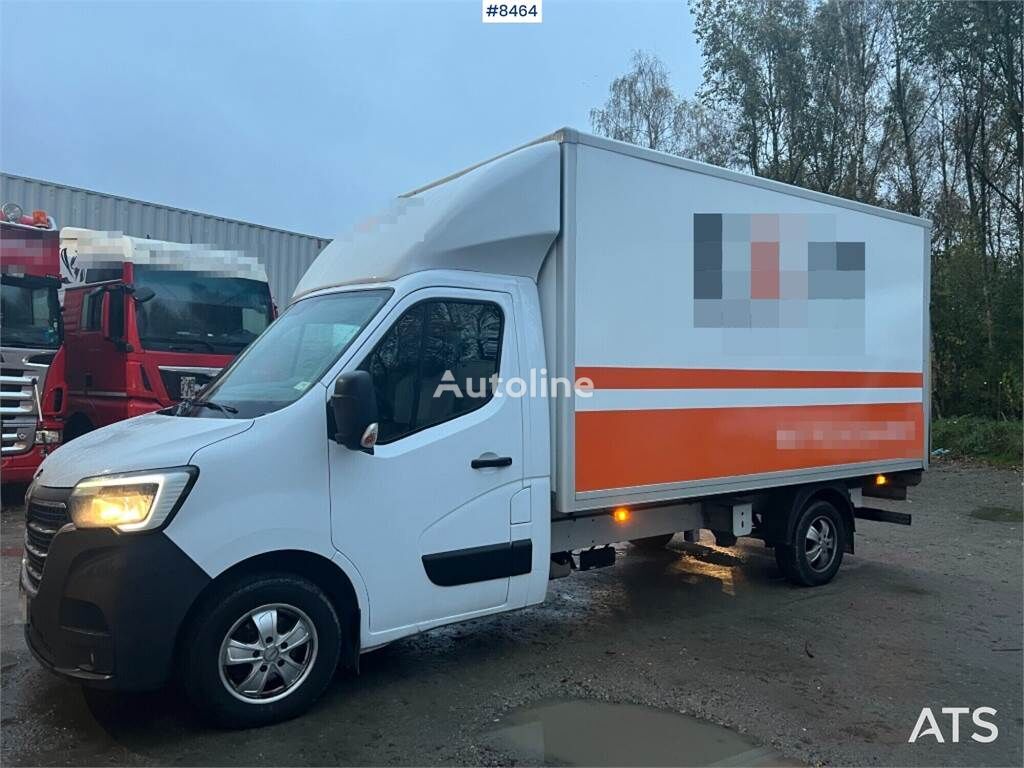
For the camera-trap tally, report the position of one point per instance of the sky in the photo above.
(306, 116)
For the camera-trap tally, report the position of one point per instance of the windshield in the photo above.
(29, 313)
(201, 312)
(294, 353)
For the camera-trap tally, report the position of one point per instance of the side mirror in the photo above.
(143, 294)
(354, 405)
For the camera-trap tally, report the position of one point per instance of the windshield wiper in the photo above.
(183, 344)
(23, 344)
(185, 404)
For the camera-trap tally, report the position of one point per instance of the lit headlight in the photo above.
(136, 501)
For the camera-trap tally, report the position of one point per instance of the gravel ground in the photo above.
(929, 615)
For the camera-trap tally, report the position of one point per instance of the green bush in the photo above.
(975, 437)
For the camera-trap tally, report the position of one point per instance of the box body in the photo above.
(739, 333)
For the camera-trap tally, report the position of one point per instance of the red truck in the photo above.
(31, 332)
(149, 323)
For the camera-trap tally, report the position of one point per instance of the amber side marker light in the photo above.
(881, 480)
(621, 515)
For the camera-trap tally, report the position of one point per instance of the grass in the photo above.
(975, 437)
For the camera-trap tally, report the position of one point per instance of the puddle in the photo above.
(711, 555)
(998, 514)
(595, 733)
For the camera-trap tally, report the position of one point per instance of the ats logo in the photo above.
(927, 725)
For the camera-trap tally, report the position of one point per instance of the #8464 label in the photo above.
(512, 13)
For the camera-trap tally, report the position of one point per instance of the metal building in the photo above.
(285, 255)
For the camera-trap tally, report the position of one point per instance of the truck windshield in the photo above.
(29, 312)
(294, 353)
(200, 312)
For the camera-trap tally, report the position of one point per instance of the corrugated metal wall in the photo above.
(285, 255)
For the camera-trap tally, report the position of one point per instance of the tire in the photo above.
(652, 543)
(12, 494)
(280, 683)
(802, 561)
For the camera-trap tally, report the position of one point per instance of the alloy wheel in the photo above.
(820, 543)
(268, 653)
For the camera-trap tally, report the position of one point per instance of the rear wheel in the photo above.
(261, 651)
(815, 551)
(653, 542)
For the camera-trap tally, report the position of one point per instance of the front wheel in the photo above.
(261, 651)
(815, 551)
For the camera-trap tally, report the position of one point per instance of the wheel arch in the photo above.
(76, 425)
(322, 571)
(782, 509)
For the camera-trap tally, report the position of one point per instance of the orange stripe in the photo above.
(726, 378)
(620, 449)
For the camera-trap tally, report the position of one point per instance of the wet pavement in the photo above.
(694, 656)
(623, 734)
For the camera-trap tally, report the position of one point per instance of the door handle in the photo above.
(491, 461)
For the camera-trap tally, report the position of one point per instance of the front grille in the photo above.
(22, 379)
(43, 518)
(17, 393)
(17, 436)
(188, 383)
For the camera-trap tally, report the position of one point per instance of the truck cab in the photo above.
(30, 317)
(150, 323)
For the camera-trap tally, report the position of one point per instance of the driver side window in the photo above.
(92, 309)
(436, 342)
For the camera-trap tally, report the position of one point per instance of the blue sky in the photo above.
(306, 115)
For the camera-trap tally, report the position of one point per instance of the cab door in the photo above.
(426, 518)
(97, 355)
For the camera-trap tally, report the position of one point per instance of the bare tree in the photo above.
(704, 133)
(641, 106)
(643, 109)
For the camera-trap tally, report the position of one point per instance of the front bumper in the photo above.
(19, 468)
(109, 606)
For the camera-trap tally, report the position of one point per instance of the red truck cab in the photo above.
(149, 323)
(31, 360)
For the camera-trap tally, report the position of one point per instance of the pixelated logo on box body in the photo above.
(775, 270)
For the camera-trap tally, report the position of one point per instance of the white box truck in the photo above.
(576, 343)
